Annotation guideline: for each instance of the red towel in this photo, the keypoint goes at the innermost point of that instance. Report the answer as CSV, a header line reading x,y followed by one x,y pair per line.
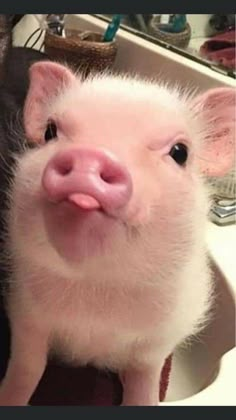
x,y
220,49
85,386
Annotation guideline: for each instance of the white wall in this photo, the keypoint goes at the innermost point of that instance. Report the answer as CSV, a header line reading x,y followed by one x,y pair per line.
x,y
199,25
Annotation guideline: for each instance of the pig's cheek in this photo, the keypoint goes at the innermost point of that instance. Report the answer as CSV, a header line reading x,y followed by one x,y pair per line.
x,y
138,214
27,195
139,210
177,173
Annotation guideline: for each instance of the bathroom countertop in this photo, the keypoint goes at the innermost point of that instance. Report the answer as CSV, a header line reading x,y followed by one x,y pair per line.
x,y
221,242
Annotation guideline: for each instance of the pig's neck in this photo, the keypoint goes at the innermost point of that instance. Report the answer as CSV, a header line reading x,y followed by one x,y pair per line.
x,y
58,294
106,281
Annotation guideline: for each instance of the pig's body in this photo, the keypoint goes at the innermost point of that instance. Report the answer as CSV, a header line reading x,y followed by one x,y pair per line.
x,y
79,318
113,270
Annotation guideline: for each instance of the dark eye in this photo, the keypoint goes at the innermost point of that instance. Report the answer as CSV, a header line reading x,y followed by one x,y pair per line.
x,y
51,132
179,152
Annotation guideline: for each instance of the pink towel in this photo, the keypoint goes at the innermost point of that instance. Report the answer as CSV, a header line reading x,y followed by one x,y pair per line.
x,y
220,49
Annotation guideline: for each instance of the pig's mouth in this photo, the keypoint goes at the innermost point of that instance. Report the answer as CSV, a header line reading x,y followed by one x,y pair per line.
x,y
84,201
85,204
79,227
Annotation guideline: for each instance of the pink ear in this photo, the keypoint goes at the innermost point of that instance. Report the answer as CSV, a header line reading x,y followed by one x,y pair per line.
x,y
217,108
46,80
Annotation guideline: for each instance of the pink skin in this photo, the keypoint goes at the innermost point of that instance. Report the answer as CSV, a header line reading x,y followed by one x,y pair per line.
x,y
93,181
106,230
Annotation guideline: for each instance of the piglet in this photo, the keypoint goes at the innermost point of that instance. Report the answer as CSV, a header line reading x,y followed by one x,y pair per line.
x,y
106,226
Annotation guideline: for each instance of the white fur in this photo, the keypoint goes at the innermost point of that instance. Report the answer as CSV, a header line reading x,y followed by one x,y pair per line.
x,y
132,305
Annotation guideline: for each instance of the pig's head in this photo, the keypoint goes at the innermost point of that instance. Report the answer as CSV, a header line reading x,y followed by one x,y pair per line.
x,y
116,172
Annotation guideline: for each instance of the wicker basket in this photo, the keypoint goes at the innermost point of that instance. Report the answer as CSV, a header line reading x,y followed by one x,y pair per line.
x,y
180,39
84,51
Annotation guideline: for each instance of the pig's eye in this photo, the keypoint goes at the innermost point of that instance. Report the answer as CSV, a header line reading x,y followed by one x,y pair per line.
x,y
179,152
51,132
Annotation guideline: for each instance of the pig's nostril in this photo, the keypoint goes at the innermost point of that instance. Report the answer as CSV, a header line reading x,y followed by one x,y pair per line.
x,y
64,168
109,178
65,171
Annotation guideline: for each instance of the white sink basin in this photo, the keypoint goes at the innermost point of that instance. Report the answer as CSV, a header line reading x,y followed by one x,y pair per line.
x,y
204,373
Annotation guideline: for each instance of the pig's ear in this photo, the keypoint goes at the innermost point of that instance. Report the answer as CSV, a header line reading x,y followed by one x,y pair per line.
x,y
216,108
47,79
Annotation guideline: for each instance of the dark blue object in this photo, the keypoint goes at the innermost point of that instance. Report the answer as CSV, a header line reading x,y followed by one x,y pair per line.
x,y
176,25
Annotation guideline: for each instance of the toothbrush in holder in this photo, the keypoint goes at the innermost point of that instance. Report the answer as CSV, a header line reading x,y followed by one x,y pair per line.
x,y
177,24
112,29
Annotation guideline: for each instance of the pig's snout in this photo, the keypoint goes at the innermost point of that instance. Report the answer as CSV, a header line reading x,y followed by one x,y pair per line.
x,y
90,178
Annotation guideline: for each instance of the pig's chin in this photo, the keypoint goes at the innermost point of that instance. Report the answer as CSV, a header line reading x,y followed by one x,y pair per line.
x,y
78,234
